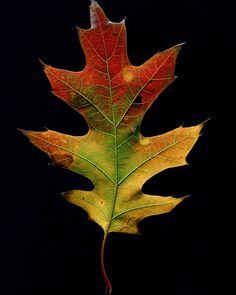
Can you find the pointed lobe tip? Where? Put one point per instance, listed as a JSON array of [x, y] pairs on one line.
[[23, 131], [42, 63], [204, 122], [94, 4]]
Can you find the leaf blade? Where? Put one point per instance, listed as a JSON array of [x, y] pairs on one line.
[[113, 154], [140, 207]]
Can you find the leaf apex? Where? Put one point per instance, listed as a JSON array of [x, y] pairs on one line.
[[185, 197], [66, 195], [180, 44], [204, 122], [186, 163], [42, 63], [181, 199], [21, 130], [123, 20], [94, 4], [201, 125]]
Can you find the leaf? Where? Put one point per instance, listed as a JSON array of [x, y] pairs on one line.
[[113, 154]]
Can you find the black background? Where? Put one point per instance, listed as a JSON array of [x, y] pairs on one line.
[[53, 248]]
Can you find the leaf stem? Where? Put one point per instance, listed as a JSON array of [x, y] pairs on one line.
[[107, 281]]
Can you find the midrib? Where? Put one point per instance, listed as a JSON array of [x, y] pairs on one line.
[[115, 136], [115, 148]]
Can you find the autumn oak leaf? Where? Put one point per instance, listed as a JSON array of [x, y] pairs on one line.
[[114, 155]]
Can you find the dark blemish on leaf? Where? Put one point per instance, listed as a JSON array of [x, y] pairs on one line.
[[63, 160], [114, 33]]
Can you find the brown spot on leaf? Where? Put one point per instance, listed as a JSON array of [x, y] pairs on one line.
[[63, 160]]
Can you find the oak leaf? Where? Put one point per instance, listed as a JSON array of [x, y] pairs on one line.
[[114, 155]]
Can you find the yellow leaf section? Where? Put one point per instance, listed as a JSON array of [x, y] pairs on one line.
[[130, 205], [84, 155], [93, 203], [138, 161], [140, 207]]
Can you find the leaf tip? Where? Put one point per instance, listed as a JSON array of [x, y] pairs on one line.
[[184, 197], [21, 130], [181, 44], [97, 15], [201, 125], [93, 6], [66, 195], [180, 200], [42, 63], [123, 20], [78, 29], [204, 122], [178, 46], [25, 132]]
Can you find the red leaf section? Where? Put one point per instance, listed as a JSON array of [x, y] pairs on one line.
[[106, 89]]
